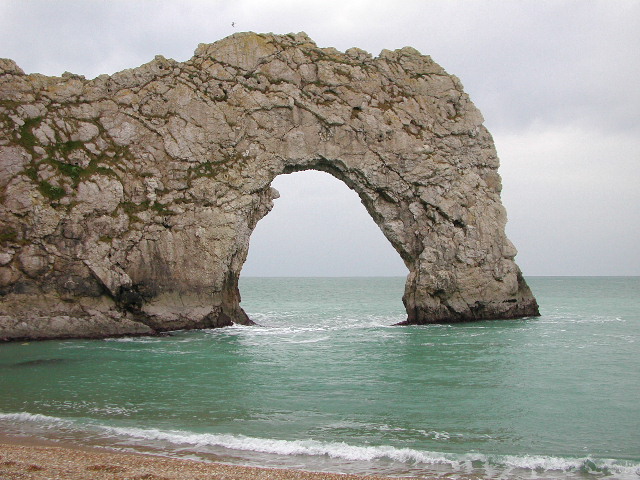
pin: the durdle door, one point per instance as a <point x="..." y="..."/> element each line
<point x="127" y="201"/>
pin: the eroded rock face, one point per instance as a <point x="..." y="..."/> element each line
<point x="127" y="201"/>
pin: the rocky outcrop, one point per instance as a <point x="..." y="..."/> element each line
<point x="128" y="201"/>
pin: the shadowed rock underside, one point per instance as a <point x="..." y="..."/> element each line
<point x="127" y="201"/>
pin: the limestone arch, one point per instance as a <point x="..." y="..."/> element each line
<point x="128" y="200"/>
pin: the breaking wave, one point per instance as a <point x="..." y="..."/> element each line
<point x="343" y="451"/>
<point x="171" y="442"/>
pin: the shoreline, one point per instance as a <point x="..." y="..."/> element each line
<point x="27" y="458"/>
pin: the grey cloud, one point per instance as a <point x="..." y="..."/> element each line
<point x="522" y="62"/>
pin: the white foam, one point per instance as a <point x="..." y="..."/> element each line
<point x="344" y="451"/>
<point x="339" y="450"/>
<point x="288" y="323"/>
<point x="133" y="339"/>
<point x="34" y="418"/>
<point x="613" y="469"/>
<point x="619" y="469"/>
<point x="309" y="340"/>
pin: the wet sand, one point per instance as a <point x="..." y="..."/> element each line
<point x="22" y="459"/>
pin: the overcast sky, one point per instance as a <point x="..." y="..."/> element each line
<point x="556" y="81"/>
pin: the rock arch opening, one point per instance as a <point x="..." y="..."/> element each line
<point x="321" y="249"/>
<point x="319" y="228"/>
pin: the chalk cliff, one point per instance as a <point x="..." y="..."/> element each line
<point x="127" y="201"/>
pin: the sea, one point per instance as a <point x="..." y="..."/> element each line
<point x="326" y="382"/>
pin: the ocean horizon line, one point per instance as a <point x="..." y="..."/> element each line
<point x="403" y="276"/>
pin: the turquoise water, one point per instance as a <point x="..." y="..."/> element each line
<point x="326" y="383"/>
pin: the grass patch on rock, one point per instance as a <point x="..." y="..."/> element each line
<point x="52" y="192"/>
